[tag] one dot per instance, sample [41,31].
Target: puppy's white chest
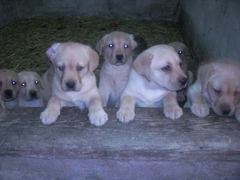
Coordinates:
[144,95]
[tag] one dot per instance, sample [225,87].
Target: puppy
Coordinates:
[156,76]
[185,56]
[73,82]
[31,89]
[117,49]
[8,88]
[217,87]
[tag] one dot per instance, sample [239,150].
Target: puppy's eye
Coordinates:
[217,91]
[166,68]
[14,83]
[180,52]
[61,67]
[125,46]
[23,84]
[36,82]
[110,45]
[79,68]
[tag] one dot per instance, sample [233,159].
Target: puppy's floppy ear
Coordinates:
[205,73]
[93,59]
[133,42]
[142,64]
[101,43]
[52,51]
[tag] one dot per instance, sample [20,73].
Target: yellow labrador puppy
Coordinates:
[73,82]
[217,87]
[117,49]
[156,76]
[185,56]
[8,88]
[31,89]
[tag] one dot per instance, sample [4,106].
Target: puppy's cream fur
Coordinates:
[117,50]
[31,89]
[217,87]
[74,83]
[153,82]
[8,88]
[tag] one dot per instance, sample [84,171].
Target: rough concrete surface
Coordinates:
[151,147]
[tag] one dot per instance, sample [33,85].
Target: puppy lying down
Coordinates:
[117,50]
[217,87]
[73,82]
[31,89]
[154,79]
[8,88]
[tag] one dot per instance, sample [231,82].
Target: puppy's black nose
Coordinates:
[119,57]
[70,85]
[33,94]
[183,80]
[8,94]
[226,111]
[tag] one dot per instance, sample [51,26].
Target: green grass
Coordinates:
[23,43]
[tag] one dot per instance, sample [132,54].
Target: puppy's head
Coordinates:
[162,65]
[30,85]
[221,86]
[116,47]
[72,61]
[9,85]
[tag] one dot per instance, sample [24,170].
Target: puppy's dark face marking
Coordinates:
[9,85]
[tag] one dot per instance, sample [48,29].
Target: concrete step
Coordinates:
[150,147]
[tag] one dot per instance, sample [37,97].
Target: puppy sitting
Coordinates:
[217,87]
[73,82]
[156,76]
[30,92]
[117,50]
[8,88]
[185,56]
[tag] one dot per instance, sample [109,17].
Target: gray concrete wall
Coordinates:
[212,27]
[166,10]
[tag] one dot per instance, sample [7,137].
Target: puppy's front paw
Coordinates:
[98,118]
[173,112]
[48,117]
[200,110]
[125,115]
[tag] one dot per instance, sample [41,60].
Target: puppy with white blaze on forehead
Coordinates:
[73,82]
[217,87]
[154,79]
[117,50]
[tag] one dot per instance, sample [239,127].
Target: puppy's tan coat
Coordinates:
[74,83]
[153,82]
[8,88]
[31,89]
[117,50]
[217,87]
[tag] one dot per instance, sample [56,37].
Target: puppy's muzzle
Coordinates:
[71,85]
[183,81]
[226,110]
[33,94]
[8,95]
[119,59]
